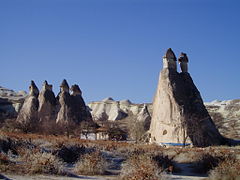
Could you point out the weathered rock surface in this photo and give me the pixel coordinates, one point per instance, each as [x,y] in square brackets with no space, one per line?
[179,114]
[29,111]
[80,112]
[47,104]
[145,117]
[64,115]
[10,102]
[111,110]
[226,116]
[72,108]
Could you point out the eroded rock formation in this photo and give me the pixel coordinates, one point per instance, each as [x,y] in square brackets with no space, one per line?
[47,104]
[64,115]
[179,114]
[79,109]
[29,111]
[145,117]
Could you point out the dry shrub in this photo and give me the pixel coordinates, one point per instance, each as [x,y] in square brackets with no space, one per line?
[36,162]
[91,164]
[207,162]
[140,167]
[5,163]
[229,169]
[163,162]
[71,153]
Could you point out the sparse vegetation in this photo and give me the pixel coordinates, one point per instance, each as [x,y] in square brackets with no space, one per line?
[140,167]
[229,169]
[91,164]
[48,154]
[43,163]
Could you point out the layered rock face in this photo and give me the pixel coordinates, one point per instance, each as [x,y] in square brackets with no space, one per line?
[179,115]
[47,104]
[29,112]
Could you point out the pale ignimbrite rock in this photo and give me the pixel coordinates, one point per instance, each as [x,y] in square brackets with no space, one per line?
[108,109]
[47,104]
[144,117]
[179,114]
[29,112]
[226,115]
[64,115]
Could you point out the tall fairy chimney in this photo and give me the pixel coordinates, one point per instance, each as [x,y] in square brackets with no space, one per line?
[64,86]
[170,60]
[33,90]
[183,61]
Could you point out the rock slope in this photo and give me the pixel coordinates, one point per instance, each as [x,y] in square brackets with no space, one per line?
[111,110]
[10,102]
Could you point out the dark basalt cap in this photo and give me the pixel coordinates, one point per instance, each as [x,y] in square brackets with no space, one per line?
[183,57]
[170,54]
[47,86]
[75,88]
[64,84]
[34,88]
[45,83]
[33,85]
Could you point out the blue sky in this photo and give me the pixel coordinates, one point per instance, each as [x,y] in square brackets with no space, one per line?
[115,47]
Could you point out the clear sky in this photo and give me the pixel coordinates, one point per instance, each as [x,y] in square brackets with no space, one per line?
[115,47]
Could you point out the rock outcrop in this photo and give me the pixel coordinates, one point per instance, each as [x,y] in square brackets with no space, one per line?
[72,108]
[111,110]
[179,114]
[80,112]
[145,117]
[10,102]
[64,115]
[29,111]
[226,116]
[47,104]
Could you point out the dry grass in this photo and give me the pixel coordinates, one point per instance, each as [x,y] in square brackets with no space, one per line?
[229,169]
[91,164]
[140,167]
[36,162]
[45,152]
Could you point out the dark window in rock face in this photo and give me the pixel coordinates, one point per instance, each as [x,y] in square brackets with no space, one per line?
[165,132]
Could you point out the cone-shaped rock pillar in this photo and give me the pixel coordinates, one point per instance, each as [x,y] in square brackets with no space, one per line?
[79,109]
[64,115]
[29,111]
[47,104]
[179,115]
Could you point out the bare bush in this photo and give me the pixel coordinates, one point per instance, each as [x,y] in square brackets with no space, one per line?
[229,169]
[91,164]
[140,167]
[207,162]
[71,153]
[37,162]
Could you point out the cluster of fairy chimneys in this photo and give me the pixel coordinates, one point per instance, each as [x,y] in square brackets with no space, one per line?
[170,61]
[67,107]
[64,87]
